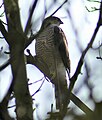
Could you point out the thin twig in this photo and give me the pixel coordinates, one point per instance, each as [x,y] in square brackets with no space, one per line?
[100,45]
[11,106]
[39,88]
[1,5]
[3,30]
[100,57]
[94,1]
[36,81]
[37,34]
[73,98]
[30,17]
[1,37]
[5,65]
[59,8]
[3,22]
[29,40]
[93,9]
[78,69]
[45,8]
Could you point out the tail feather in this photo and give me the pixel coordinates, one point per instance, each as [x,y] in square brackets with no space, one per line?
[61,95]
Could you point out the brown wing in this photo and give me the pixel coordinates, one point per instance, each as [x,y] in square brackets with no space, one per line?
[61,42]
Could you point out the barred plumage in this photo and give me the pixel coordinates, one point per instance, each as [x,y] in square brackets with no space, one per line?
[51,47]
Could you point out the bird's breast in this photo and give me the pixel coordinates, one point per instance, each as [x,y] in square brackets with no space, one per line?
[48,52]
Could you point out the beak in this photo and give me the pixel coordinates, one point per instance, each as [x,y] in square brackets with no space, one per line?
[61,22]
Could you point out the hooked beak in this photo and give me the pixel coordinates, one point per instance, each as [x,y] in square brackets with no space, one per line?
[61,22]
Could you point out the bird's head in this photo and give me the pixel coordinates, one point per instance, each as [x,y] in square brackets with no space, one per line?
[51,21]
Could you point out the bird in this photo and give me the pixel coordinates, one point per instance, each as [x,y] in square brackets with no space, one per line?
[52,50]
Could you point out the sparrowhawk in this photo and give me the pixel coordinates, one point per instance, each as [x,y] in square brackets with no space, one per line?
[52,49]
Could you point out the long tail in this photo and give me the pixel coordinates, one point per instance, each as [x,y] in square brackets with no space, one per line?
[61,95]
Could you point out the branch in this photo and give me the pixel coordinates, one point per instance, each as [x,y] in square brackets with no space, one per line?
[29,40]
[80,104]
[38,62]
[36,81]
[1,5]
[35,35]
[39,88]
[3,31]
[18,67]
[4,65]
[94,1]
[58,7]
[93,9]
[78,69]
[30,17]
[35,61]
[3,105]
[100,58]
